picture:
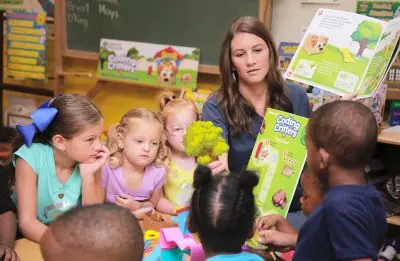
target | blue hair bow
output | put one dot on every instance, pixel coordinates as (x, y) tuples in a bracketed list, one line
[(41, 119)]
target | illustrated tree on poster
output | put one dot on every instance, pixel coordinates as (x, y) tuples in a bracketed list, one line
[(103, 56), (193, 56), (133, 53), (367, 35)]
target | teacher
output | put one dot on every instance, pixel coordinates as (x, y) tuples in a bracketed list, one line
[(251, 83)]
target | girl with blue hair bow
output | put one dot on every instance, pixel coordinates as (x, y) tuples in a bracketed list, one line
[(58, 166)]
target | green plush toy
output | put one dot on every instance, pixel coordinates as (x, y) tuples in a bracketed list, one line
[(204, 141)]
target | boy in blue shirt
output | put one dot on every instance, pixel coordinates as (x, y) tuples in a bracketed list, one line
[(350, 223)]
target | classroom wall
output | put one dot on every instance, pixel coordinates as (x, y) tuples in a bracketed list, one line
[(117, 98), (290, 16), (113, 100)]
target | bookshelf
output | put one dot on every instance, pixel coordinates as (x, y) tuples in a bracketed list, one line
[(391, 138), (393, 92)]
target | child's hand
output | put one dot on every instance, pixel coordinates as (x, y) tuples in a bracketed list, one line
[(7, 253), (276, 238), (275, 230), (127, 202), (269, 232), (279, 199), (141, 212), (269, 222), (88, 169)]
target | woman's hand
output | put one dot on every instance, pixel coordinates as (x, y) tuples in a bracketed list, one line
[(87, 170), (219, 166), (279, 199)]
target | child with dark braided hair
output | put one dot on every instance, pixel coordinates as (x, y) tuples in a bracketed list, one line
[(222, 212)]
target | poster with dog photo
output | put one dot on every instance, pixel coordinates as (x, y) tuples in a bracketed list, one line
[(278, 158), (345, 53), (152, 64)]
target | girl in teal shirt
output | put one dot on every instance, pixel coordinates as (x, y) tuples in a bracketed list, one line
[(57, 167)]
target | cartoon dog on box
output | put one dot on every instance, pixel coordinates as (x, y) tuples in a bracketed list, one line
[(315, 44), (167, 71)]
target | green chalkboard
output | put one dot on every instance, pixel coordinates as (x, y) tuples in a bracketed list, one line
[(192, 23)]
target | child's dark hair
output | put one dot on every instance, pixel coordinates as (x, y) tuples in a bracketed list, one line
[(347, 130), (75, 114), (222, 209), (98, 232)]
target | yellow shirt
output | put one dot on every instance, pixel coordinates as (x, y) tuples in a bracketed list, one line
[(179, 186)]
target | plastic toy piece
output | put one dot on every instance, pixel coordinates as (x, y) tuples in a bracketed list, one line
[(173, 244), (172, 255), (154, 255), (181, 221), (151, 234)]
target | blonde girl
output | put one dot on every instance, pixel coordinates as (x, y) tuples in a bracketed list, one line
[(135, 173), (178, 114)]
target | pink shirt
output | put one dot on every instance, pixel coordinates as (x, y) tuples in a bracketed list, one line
[(113, 181)]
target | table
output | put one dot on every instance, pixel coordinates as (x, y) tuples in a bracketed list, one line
[(28, 250)]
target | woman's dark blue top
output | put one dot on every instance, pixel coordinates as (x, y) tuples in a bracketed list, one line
[(241, 146)]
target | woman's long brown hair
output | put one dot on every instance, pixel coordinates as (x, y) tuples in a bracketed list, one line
[(237, 111)]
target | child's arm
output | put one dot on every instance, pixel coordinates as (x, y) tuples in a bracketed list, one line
[(102, 194), (127, 202), (8, 229), (156, 196), (137, 208), (165, 206), (26, 186), (91, 176)]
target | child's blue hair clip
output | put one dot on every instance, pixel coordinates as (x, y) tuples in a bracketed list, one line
[(41, 119)]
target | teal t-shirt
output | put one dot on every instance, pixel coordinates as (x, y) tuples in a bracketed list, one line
[(53, 197), (242, 256)]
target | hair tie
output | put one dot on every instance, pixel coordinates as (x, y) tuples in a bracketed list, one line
[(41, 119)]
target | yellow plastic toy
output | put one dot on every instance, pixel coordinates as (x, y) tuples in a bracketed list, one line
[(151, 234)]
